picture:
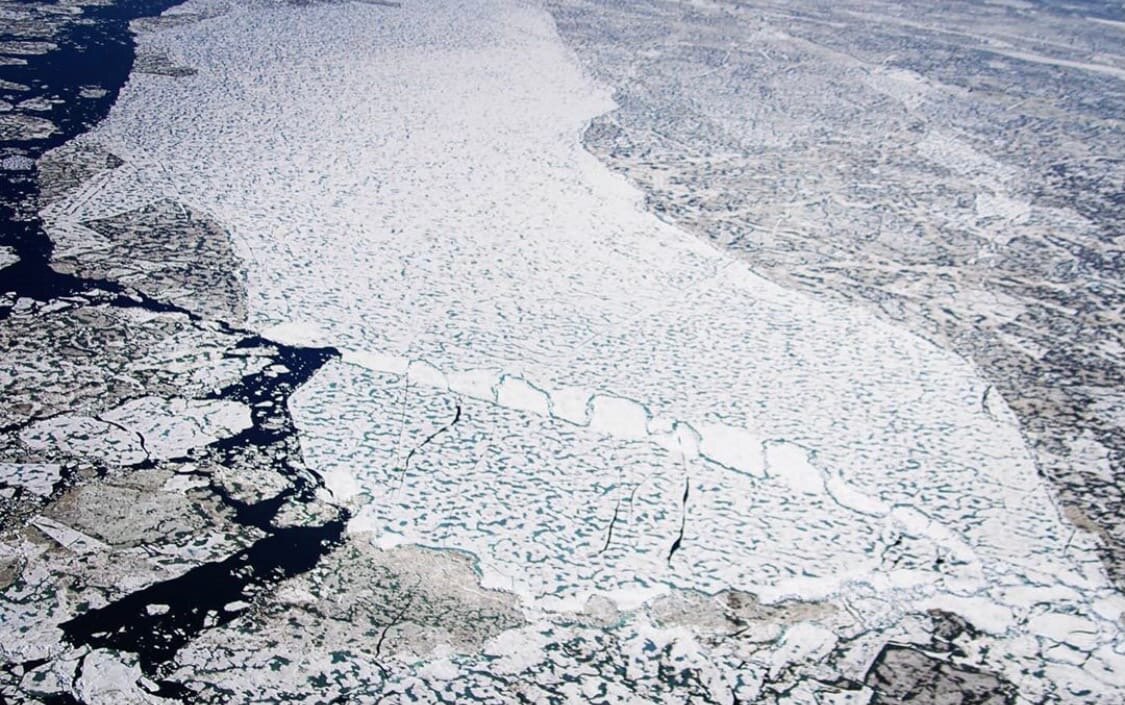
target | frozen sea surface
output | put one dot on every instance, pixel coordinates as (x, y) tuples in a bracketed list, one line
[(953, 168), (492, 388)]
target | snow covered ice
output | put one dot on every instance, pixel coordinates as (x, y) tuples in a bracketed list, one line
[(433, 404)]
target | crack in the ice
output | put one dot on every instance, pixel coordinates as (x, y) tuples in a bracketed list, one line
[(140, 436), (683, 520), (395, 621), (609, 532), (424, 443), (196, 598)]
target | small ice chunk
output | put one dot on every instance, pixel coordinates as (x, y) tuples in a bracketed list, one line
[(39, 478), (8, 257), (618, 417), (427, 375), (376, 362), (17, 162), (518, 393)]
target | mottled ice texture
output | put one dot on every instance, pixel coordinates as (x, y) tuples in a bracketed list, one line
[(464, 226), (195, 269), (39, 478), (619, 446), (143, 429), (952, 167)]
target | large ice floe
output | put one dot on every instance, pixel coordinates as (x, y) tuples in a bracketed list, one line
[(539, 374)]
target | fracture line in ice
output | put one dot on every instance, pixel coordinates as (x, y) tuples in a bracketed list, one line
[(730, 447)]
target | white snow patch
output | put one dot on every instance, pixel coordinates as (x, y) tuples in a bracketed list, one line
[(39, 478)]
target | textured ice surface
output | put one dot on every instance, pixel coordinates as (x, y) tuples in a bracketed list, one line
[(465, 227), (145, 428), (8, 257), (39, 478), (195, 270), (946, 166), (582, 456)]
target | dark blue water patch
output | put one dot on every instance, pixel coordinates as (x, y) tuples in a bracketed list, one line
[(93, 53), (95, 49), (275, 385), (55, 699), (196, 601), (267, 394), (156, 622)]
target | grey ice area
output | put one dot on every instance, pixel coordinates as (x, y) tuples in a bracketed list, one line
[(196, 270), (161, 65), (955, 168)]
